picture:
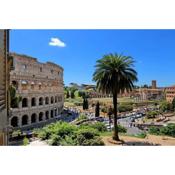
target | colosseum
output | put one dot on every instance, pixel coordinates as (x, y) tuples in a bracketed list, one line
[(40, 86)]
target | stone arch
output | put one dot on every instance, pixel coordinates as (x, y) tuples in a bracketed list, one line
[(33, 118), (14, 121), (56, 99), (24, 120), (47, 115), (47, 100), (52, 113), (55, 111), (52, 100), (33, 101), (41, 114), (41, 101), (24, 102)]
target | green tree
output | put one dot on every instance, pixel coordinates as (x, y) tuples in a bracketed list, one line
[(152, 114), (114, 74), (72, 92), (84, 103), (67, 94), (165, 106), (14, 99), (87, 104), (173, 104)]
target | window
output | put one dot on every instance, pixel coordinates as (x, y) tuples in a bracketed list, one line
[(56, 112), (40, 101), (51, 71), (33, 102), (39, 87), (56, 99), (51, 114), (14, 121), (24, 102), (41, 69), (47, 100), (47, 115), (41, 116), (25, 120), (33, 118), (52, 100)]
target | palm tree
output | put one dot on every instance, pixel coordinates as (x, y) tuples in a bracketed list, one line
[(114, 74)]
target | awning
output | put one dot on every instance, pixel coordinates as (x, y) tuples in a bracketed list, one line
[(40, 83), (32, 83)]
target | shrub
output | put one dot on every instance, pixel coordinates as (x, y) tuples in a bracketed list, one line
[(141, 135), (104, 109), (42, 135), (64, 129), (16, 133), (122, 129), (62, 133), (25, 141), (54, 140), (99, 126), (88, 137), (152, 114), (173, 104), (82, 117), (125, 107), (168, 130), (154, 130), (165, 106), (68, 141)]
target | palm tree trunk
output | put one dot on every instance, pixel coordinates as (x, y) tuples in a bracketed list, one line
[(115, 136)]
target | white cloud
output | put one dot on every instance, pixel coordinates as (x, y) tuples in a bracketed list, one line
[(57, 42)]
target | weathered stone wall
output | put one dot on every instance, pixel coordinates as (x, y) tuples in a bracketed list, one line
[(41, 88)]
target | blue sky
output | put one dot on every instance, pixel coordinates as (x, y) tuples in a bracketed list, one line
[(77, 51)]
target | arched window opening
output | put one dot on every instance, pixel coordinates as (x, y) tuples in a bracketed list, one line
[(56, 99), (40, 101), (24, 102), (33, 118), (47, 100), (40, 116), (56, 112), (33, 102), (47, 115), (52, 99), (14, 121), (51, 115), (24, 120)]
